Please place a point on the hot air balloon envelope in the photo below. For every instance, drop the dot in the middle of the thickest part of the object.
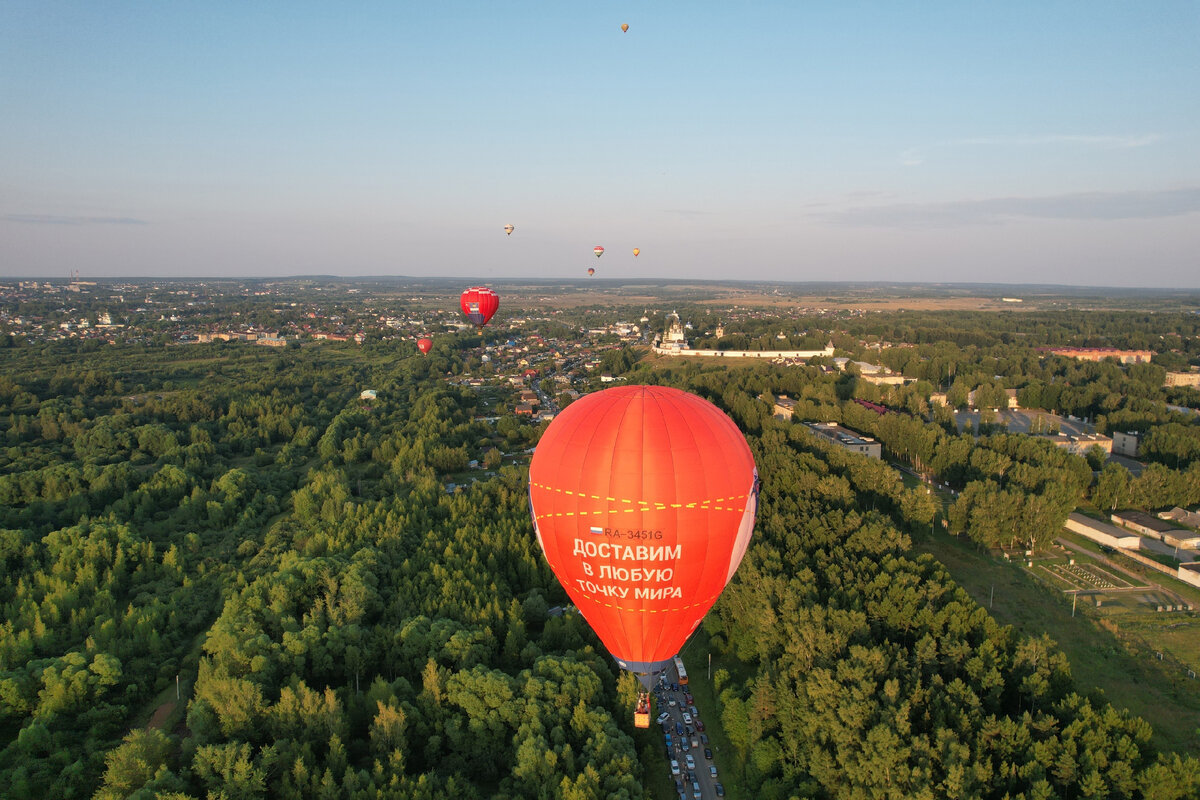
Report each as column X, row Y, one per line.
column 625, row 28
column 598, row 250
column 478, row 304
column 425, row 345
column 643, row 498
column 591, row 270
column 509, row 229
column 636, row 250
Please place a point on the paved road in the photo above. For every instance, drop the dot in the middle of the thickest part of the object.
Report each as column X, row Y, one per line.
column 1020, row 421
column 1159, row 546
column 675, row 716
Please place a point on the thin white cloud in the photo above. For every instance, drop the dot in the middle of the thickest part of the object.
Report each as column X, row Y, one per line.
column 55, row 219
column 689, row 213
column 1089, row 140
column 996, row 210
column 915, row 156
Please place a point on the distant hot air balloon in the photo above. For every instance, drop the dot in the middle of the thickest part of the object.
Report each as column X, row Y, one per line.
column 625, row 28
column 478, row 304
column 636, row 250
column 643, row 500
column 425, row 345
column 598, row 250
column 591, row 271
column 509, row 229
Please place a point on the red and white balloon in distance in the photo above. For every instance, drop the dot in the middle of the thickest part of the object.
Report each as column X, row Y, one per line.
column 643, row 498
column 478, row 304
column 425, row 345
column 598, row 250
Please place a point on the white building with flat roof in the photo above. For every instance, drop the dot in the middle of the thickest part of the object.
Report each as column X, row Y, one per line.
column 846, row 438
column 1102, row 532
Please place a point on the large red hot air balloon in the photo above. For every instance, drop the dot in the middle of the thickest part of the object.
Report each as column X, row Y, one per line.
column 478, row 304
column 425, row 345
column 643, row 498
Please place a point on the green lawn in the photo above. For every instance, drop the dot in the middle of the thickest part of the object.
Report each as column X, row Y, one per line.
column 1102, row 655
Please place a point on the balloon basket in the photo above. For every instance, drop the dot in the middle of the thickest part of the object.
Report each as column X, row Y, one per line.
column 641, row 716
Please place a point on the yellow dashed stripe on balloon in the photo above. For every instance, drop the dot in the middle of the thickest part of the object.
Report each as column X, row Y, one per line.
column 655, row 506
column 642, row 504
column 706, row 604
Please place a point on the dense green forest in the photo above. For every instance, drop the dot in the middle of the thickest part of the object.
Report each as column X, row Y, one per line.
column 343, row 626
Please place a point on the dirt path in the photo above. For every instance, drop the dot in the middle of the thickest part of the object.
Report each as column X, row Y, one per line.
column 160, row 715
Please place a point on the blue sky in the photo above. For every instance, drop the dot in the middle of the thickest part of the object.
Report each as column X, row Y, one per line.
column 1048, row 142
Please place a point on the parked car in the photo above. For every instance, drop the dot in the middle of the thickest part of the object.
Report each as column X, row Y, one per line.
column 696, row 790
column 712, row 772
column 687, row 718
column 663, row 717
column 674, row 767
column 679, row 728
column 720, row 790
column 699, row 725
column 704, row 738
column 708, row 753
column 691, row 762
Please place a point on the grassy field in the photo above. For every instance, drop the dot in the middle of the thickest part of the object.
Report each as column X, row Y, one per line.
column 725, row 757
column 1114, row 652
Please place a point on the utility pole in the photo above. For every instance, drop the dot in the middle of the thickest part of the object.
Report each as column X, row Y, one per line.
column 1074, row 600
column 992, row 598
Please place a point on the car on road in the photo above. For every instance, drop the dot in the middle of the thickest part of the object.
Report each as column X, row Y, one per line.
column 691, row 762
column 708, row 753
column 689, row 699
column 712, row 772
column 720, row 790
column 679, row 728
column 687, row 718
column 696, row 790
column 671, row 702
column 699, row 725
column 704, row 738
column 663, row 717
column 674, row 767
